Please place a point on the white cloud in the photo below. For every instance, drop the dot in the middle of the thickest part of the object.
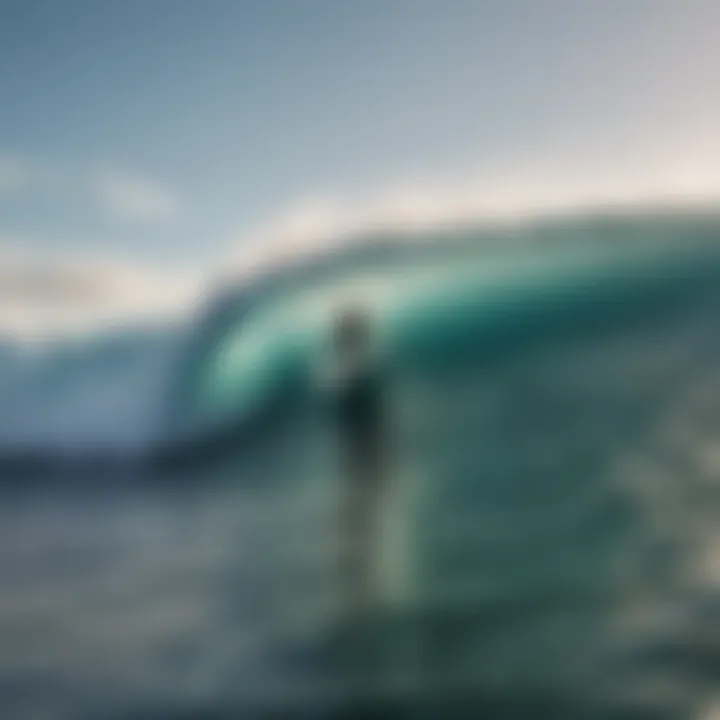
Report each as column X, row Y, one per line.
column 42, row 296
column 135, row 198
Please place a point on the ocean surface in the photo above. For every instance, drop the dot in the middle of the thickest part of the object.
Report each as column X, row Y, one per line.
column 169, row 539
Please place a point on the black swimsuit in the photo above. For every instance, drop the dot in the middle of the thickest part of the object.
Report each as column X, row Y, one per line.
column 359, row 408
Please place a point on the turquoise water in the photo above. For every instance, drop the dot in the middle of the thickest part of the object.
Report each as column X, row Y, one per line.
column 442, row 300
column 550, row 533
column 544, row 524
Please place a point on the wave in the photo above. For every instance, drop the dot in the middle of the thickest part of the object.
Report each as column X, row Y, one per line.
column 167, row 391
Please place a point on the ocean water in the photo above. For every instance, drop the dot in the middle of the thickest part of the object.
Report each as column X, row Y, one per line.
column 169, row 535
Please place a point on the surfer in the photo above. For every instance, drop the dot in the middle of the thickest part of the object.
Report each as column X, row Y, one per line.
column 359, row 416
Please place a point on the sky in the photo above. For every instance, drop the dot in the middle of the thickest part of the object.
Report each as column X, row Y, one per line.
column 169, row 135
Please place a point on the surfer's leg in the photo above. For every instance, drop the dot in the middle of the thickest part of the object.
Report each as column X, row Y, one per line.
column 359, row 510
column 356, row 537
column 363, row 514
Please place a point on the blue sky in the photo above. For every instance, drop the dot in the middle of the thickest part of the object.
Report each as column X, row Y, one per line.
column 164, row 131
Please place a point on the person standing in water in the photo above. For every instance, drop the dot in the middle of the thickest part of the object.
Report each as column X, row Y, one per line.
column 360, row 418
